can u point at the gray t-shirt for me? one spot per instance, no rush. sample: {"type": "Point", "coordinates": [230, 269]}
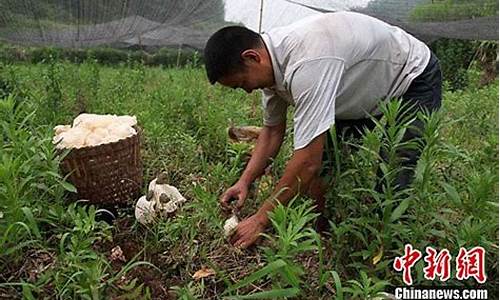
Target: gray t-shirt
{"type": "Point", "coordinates": [337, 66]}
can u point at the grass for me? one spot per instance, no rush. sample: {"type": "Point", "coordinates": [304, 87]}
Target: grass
{"type": "Point", "coordinates": [450, 10]}
{"type": "Point", "coordinates": [51, 248]}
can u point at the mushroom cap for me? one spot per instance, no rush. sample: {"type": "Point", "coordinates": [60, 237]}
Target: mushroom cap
{"type": "Point", "coordinates": [145, 211]}
{"type": "Point", "coordinates": [230, 225]}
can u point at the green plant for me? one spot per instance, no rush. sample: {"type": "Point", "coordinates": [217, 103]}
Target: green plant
{"type": "Point", "coordinates": [272, 269]}
{"type": "Point", "coordinates": [366, 287]}
{"type": "Point", "coordinates": [28, 172]}
{"type": "Point", "coordinates": [188, 292]}
{"type": "Point", "coordinates": [292, 237]}
{"type": "Point", "coordinates": [447, 10]}
{"type": "Point", "coordinates": [53, 98]}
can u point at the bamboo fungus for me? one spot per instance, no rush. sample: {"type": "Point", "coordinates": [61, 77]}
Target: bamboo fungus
{"type": "Point", "coordinates": [161, 200]}
{"type": "Point", "coordinates": [230, 226]}
{"type": "Point", "coordinates": [144, 211]}
{"type": "Point", "coordinates": [92, 130]}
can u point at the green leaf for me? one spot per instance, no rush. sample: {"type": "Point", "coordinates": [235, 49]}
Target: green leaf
{"type": "Point", "coordinates": [62, 242]}
{"type": "Point", "coordinates": [31, 221]}
{"type": "Point", "coordinates": [68, 186]}
{"type": "Point", "coordinates": [451, 192]}
{"type": "Point", "coordinates": [275, 265]}
{"type": "Point", "coordinates": [11, 227]}
{"type": "Point", "coordinates": [494, 204]}
{"type": "Point", "coordinates": [291, 275]}
{"type": "Point", "coordinates": [339, 293]}
{"type": "Point", "coordinates": [27, 294]}
{"type": "Point", "coordinates": [18, 247]}
{"type": "Point", "coordinates": [400, 210]}
{"type": "Point", "coordinates": [128, 287]}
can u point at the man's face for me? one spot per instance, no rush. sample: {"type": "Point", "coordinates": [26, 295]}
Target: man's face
{"type": "Point", "coordinates": [256, 72]}
{"type": "Point", "coordinates": [247, 79]}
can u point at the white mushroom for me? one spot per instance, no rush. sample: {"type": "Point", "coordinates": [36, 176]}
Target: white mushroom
{"type": "Point", "coordinates": [73, 138]}
{"type": "Point", "coordinates": [127, 120]}
{"type": "Point", "coordinates": [93, 130]}
{"type": "Point", "coordinates": [230, 226]}
{"type": "Point", "coordinates": [169, 207]}
{"type": "Point", "coordinates": [161, 200]}
{"type": "Point", "coordinates": [61, 128]}
{"type": "Point", "coordinates": [171, 192]}
{"type": "Point", "coordinates": [120, 131]}
{"type": "Point", "coordinates": [145, 211]}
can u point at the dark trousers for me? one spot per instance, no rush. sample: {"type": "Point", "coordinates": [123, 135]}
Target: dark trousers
{"type": "Point", "coordinates": [424, 93]}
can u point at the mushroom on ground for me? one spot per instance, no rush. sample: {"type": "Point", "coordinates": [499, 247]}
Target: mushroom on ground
{"type": "Point", "coordinates": [145, 211]}
{"type": "Point", "coordinates": [230, 226]}
{"type": "Point", "coordinates": [162, 199]}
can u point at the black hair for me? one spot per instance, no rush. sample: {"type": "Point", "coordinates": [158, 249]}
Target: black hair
{"type": "Point", "coordinates": [223, 50]}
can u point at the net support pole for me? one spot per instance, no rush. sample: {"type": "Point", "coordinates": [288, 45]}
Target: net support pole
{"type": "Point", "coordinates": [79, 15]}
{"type": "Point", "coordinates": [260, 15]}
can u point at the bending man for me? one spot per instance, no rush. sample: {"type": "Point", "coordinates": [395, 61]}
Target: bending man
{"type": "Point", "coordinates": [333, 69]}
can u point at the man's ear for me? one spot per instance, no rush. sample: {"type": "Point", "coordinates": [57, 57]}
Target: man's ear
{"type": "Point", "coordinates": [251, 55]}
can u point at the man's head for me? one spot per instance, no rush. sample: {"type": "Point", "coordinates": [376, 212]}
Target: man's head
{"type": "Point", "coordinates": [237, 57]}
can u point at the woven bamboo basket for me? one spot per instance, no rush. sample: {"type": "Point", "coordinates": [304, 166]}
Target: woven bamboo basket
{"type": "Point", "coordinates": [107, 174]}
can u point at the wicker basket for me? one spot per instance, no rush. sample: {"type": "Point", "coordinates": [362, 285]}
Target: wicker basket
{"type": "Point", "coordinates": [106, 174]}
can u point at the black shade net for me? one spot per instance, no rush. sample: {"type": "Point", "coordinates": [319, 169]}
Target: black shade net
{"type": "Point", "coordinates": [151, 24]}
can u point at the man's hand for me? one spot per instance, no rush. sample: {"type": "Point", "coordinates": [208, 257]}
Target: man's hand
{"type": "Point", "coordinates": [248, 231]}
{"type": "Point", "coordinates": [266, 148]}
{"type": "Point", "coordinates": [239, 191]}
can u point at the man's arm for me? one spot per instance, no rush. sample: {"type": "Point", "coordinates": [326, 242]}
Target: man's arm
{"type": "Point", "coordinates": [314, 85]}
{"type": "Point", "coordinates": [266, 148]}
{"type": "Point", "coordinates": [302, 168]}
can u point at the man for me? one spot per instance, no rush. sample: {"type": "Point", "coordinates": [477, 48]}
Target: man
{"type": "Point", "coordinates": [334, 69]}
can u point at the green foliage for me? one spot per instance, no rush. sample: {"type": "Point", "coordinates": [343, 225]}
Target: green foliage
{"type": "Point", "coordinates": [28, 172]}
{"type": "Point", "coordinates": [292, 238]}
{"type": "Point", "coordinates": [455, 57]}
{"type": "Point", "coordinates": [366, 287]}
{"type": "Point", "coordinates": [370, 227]}
{"type": "Point", "coordinates": [167, 57]}
{"type": "Point", "coordinates": [448, 10]}
{"type": "Point", "coordinates": [394, 9]}
{"type": "Point", "coordinates": [452, 202]}
{"type": "Point", "coordinates": [466, 63]}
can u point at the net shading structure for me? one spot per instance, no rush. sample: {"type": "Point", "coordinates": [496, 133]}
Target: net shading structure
{"type": "Point", "coordinates": [155, 24]}
{"type": "Point", "coordinates": [427, 19]}
{"type": "Point", "coordinates": [115, 23]}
